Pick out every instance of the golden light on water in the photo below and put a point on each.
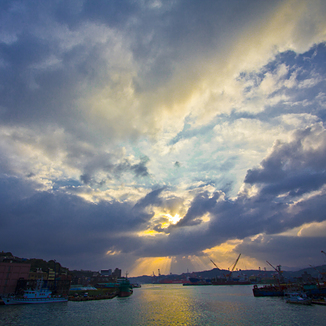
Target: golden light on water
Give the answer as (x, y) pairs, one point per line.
(175, 309)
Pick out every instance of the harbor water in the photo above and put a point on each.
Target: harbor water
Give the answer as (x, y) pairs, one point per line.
(170, 304)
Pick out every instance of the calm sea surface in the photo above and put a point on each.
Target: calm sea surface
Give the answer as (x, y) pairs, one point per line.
(170, 305)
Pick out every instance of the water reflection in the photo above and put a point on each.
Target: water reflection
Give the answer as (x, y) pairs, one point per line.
(162, 308)
(169, 305)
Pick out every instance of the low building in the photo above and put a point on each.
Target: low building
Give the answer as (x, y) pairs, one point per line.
(51, 274)
(106, 272)
(10, 273)
(117, 273)
(38, 275)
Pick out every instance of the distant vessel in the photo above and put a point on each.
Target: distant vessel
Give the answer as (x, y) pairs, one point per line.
(38, 295)
(136, 285)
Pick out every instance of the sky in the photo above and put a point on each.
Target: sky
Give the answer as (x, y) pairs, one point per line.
(148, 134)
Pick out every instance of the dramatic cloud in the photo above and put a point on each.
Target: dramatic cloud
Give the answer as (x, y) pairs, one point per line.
(162, 134)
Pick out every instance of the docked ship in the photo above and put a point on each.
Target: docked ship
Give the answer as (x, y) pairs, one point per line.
(229, 282)
(38, 295)
(268, 291)
(125, 287)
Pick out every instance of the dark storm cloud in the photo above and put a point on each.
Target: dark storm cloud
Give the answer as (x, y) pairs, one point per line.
(151, 199)
(294, 165)
(201, 204)
(32, 95)
(59, 221)
(139, 169)
(94, 162)
(272, 249)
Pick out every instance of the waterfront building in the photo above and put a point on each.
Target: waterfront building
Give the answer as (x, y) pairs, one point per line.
(38, 274)
(51, 274)
(10, 273)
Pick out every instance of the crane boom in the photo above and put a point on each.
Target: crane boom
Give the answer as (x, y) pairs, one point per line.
(280, 277)
(233, 267)
(214, 264)
(323, 252)
(235, 264)
(272, 266)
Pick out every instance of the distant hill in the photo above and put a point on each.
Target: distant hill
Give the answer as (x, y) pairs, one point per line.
(314, 272)
(36, 263)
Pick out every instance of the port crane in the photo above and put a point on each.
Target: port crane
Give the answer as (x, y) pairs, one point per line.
(278, 270)
(233, 267)
(322, 275)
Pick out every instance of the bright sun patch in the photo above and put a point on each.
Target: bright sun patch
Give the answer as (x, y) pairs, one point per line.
(173, 219)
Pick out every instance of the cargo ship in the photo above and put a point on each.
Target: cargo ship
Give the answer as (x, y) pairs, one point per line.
(197, 281)
(268, 291)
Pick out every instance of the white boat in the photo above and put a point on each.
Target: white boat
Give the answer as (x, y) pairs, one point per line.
(39, 295)
(298, 298)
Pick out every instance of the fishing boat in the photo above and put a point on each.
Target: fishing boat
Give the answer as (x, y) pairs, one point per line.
(37, 295)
